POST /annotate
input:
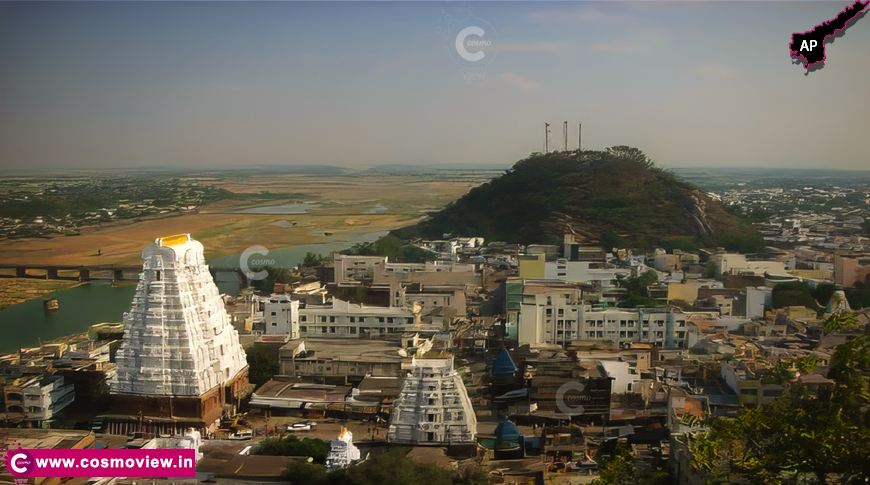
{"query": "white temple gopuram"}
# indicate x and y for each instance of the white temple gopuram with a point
(342, 451)
(433, 406)
(178, 340)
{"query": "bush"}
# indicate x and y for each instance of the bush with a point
(291, 445)
(858, 298)
(386, 468)
(822, 294)
(262, 363)
(686, 244)
(793, 293)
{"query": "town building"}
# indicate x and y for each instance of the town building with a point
(341, 319)
(849, 270)
(39, 399)
(340, 361)
(584, 272)
(554, 313)
(281, 316)
(758, 301)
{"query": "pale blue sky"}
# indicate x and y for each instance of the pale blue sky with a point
(205, 84)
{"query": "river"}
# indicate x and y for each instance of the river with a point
(23, 325)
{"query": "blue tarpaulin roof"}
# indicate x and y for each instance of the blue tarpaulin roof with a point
(507, 431)
(504, 364)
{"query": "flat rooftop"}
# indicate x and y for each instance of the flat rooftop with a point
(345, 350)
(47, 439)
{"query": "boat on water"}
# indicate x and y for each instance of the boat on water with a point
(50, 304)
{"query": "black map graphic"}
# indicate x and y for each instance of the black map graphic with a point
(810, 45)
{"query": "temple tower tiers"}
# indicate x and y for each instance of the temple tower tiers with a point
(178, 340)
(433, 406)
(342, 451)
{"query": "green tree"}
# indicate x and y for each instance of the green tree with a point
(395, 467)
(711, 270)
(785, 370)
(637, 288)
(800, 438)
(392, 248)
(312, 259)
(392, 467)
(840, 321)
(638, 285)
(849, 367)
(616, 466)
(609, 239)
(793, 293)
(291, 445)
(273, 275)
(823, 293)
(858, 297)
(302, 473)
(686, 244)
(262, 363)
(747, 241)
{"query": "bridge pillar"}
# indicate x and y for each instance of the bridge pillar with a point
(84, 275)
(117, 275)
(51, 274)
(243, 280)
(21, 272)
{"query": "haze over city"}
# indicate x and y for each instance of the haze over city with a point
(226, 84)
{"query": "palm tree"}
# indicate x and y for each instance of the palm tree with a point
(839, 321)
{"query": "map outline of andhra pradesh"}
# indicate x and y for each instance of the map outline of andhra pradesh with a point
(810, 45)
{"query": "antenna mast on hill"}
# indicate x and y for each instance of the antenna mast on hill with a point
(546, 138)
(579, 139)
(565, 134)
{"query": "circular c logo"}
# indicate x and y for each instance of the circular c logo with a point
(460, 43)
(243, 262)
(21, 463)
(560, 398)
(467, 39)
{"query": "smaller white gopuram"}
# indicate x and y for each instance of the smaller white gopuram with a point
(433, 407)
(342, 452)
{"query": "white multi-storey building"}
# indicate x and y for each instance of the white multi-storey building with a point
(581, 272)
(281, 315)
(433, 406)
(549, 313)
(178, 340)
(341, 319)
(554, 313)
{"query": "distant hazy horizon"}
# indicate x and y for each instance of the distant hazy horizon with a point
(218, 85)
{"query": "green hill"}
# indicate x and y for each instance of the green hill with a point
(617, 193)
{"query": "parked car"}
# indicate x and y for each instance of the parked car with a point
(244, 434)
(299, 427)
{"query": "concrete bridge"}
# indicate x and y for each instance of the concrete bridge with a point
(88, 273)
